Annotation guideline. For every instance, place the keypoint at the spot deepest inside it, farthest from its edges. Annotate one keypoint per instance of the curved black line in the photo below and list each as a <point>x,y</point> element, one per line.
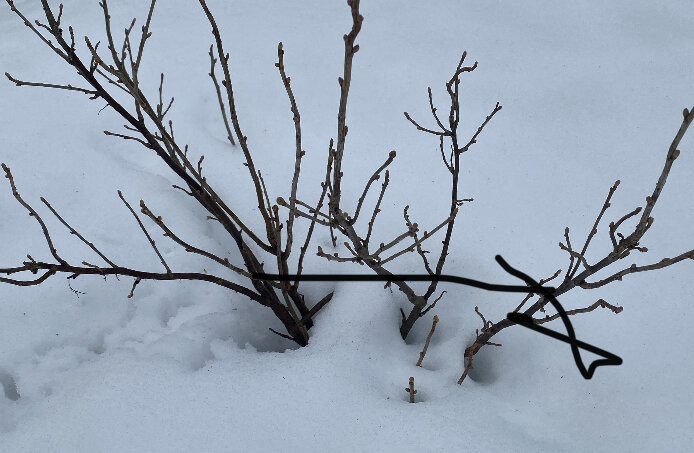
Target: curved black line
<point>527,321</point>
<point>519,318</point>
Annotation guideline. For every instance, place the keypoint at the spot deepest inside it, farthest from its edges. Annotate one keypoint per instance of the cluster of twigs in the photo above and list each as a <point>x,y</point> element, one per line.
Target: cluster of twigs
<point>147,123</point>
<point>359,244</point>
<point>580,270</point>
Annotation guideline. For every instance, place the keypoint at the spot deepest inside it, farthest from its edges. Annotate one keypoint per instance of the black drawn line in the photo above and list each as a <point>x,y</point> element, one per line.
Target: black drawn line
<point>527,321</point>
<point>519,318</point>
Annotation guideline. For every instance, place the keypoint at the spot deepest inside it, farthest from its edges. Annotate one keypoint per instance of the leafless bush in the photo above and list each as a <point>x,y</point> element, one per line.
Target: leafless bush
<point>622,246</point>
<point>147,124</point>
<point>117,70</point>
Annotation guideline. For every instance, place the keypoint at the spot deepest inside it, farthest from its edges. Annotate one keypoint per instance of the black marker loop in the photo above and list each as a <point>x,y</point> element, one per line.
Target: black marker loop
<point>527,321</point>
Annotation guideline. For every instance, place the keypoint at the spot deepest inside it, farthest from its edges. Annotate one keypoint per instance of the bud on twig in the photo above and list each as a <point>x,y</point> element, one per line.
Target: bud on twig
<point>411,390</point>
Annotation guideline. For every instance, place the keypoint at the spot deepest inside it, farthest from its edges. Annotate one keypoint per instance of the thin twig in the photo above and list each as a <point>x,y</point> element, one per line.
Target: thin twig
<point>76,233</point>
<point>20,83</point>
<point>33,214</point>
<point>144,230</point>
<point>426,342</point>
<point>376,175</point>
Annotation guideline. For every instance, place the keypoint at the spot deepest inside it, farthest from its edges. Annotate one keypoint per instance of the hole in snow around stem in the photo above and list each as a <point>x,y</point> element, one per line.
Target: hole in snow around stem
<point>9,385</point>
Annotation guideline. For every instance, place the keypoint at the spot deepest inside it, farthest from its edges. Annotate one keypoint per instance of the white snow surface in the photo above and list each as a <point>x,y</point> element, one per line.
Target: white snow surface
<point>592,92</point>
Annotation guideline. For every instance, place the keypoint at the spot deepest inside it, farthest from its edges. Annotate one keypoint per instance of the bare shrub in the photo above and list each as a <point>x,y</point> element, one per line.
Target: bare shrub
<point>116,70</point>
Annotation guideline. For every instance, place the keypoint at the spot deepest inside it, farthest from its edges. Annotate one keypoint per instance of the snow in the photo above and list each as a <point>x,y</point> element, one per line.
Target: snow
<point>591,93</point>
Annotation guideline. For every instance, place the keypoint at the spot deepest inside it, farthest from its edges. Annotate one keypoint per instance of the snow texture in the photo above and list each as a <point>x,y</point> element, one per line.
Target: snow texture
<point>592,92</point>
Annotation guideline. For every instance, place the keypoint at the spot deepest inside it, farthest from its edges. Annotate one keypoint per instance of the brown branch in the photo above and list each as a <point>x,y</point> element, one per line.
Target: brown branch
<point>345,82</point>
<point>223,59</point>
<point>75,271</point>
<point>132,290</point>
<point>424,129</point>
<point>594,230</point>
<point>33,214</point>
<point>376,175</point>
<point>468,367</point>
<point>73,231</point>
<point>299,152</point>
<point>426,342</point>
<point>26,21</point>
<point>319,205</point>
<point>412,227</point>
<point>141,48</point>
<point>672,154</point>
<point>222,108</point>
<point>433,113</point>
<point>297,212</point>
<point>425,236</point>
<point>448,165</point>
<point>161,112</point>
<point>20,83</point>
<point>316,308</point>
<point>634,268</point>
<point>599,304</point>
<point>339,259</point>
<point>144,230</point>
<point>411,389</point>
<point>473,140</point>
<point>432,305</point>
<point>485,324</point>
<point>541,282</point>
<point>128,137</point>
<point>280,334</point>
<point>311,210</point>
<point>192,249</point>
<point>377,208</point>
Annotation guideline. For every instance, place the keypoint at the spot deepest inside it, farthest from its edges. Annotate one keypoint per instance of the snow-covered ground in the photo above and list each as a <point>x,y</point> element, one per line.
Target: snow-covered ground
<point>591,93</point>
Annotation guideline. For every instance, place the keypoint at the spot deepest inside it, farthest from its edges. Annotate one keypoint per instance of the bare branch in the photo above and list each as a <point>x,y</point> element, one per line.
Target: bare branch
<point>298,212</point>
<point>144,230</point>
<point>345,82</point>
<point>377,208</point>
<point>412,227</point>
<point>594,230</point>
<point>425,236</point>
<point>129,137</point>
<point>73,231</point>
<point>46,41</point>
<point>426,342</point>
<point>541,282</point>
<point>473,140</point>
<point>339,259</point>
<point>222,108</point>
<point>634,268</point>
<point>223,59</point>
<point>319,205</point>
<point>376,175</point>
<point>299,152</point>
<point>672,154</point>
<point>424,129</point>
<point>53,269</point>
<point>433,112</point>
<point>33,214</point>
<point>20,83</point>
<point>432,305</point>
<point>599,304</point>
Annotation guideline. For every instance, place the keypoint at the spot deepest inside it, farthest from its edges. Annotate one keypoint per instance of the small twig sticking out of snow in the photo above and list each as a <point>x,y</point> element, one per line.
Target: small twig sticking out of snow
<point>411,390</point>
<point>426,343</point>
